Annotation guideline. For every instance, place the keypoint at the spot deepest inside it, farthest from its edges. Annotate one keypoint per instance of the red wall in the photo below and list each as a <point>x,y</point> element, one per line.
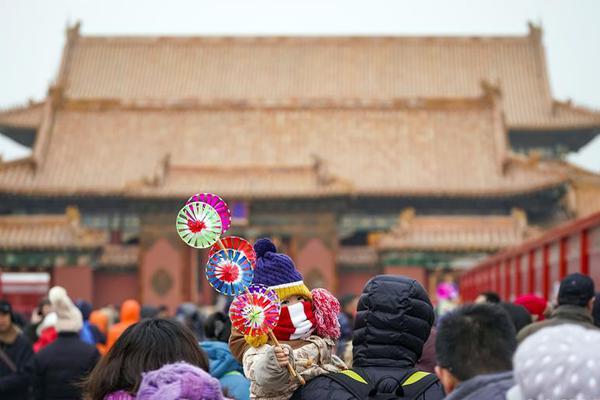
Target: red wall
<point>112,287</point>
<point>315,259</point>
<point>76,280</point>
<point>417,273</point>
<point>167,260</point>
<point>353,282</point>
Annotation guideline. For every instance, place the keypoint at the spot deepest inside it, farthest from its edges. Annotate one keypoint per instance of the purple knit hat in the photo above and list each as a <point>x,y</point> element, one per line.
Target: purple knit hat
<point>277,271</point>
<point>179,381</point>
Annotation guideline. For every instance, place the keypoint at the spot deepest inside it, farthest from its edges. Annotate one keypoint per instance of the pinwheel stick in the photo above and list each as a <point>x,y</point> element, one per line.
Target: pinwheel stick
<point>289,366</point>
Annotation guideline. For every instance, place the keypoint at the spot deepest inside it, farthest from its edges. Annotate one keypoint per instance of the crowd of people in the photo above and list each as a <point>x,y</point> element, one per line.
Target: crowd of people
<point>387,343</point>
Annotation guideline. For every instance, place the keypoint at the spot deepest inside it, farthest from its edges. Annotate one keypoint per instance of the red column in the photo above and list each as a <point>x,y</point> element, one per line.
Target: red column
<point>507,279</point>
<point>584,254</point>
<point>564,253</point>
<point>546,272</point>
<point>498,280</point>
<point>518,280</point>
<point>531,271</point>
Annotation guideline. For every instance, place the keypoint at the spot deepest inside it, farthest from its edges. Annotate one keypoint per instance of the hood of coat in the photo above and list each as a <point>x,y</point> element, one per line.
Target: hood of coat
<point>130,312</point>
<point>393,321</point>
<point>221,359</point>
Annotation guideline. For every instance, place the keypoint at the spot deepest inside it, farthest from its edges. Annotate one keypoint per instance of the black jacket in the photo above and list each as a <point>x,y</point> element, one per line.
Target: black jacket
<point>15,385</point>
<point>59,368</point>
<point>393,322</point>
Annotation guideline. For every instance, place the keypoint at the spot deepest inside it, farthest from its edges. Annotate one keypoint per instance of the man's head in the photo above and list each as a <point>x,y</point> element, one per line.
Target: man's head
<point>488,297</point>
<point>576,290</point>
<point>473,340</point>
<point>5,315</point>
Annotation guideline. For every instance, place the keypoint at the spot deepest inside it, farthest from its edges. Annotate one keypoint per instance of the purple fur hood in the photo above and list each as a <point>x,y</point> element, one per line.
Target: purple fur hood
<point>174,381</point>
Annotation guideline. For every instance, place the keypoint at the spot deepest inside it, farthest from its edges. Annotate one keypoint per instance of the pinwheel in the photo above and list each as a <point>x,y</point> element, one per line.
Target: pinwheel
<point>199,225</point>
<point>235,243</point>
<point>218,204</point>
<point>256,312</point>
<point>229,271</point>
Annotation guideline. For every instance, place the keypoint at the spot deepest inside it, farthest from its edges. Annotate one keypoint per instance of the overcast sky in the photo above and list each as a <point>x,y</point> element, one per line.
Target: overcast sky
<point>32,31</point>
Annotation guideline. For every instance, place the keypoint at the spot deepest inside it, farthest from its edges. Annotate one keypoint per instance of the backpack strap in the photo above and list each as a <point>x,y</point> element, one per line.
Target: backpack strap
<point>417,383</point>
<point>353,381</point>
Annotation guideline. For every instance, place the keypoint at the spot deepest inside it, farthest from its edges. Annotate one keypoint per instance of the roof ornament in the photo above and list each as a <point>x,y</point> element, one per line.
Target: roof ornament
<point>535,30</point>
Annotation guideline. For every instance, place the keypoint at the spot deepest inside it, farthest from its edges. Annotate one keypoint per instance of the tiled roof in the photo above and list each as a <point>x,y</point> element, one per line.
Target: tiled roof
<point>47,232</point>
<point>456,232</point>
<point>29,116</point>
<point>449,148</point>
<point>284,69</point>
<point>114,255</point>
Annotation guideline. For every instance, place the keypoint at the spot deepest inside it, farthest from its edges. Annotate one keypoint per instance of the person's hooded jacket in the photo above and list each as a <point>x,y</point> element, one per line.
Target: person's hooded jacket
<point>393,322</point>
<point>130,314</point>
<point>227,370</point>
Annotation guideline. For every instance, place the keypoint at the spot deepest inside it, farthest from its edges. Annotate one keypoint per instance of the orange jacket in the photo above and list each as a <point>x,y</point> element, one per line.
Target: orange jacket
<point>130,314</point>
<point>100,320</point>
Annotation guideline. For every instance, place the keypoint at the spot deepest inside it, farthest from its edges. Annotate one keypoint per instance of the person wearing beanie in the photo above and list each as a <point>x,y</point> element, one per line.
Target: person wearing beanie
<point>306,330</point>
<point>179,381</point>
<point>59,367</point>
<point>558,362</point>
<point>223,366</point>
<point>535,304</point>
<point>130,314</point>
<point>575,303</point>
<point>15,355</point>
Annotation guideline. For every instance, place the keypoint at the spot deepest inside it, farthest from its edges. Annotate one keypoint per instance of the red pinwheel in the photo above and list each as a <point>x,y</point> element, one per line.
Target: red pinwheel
<point>254,312</point>
<point>235,243</point>
<point>229,272</point>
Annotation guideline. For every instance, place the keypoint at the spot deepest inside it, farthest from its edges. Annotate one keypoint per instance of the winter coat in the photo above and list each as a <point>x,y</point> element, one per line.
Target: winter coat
<point>565,314</point>
<point>488,387</point>
<point>15,385</point>
<point>227,370</point>
<point>393,322</point>
<point>59,368</point>
<point>269,381</point>
<point>130,314</point>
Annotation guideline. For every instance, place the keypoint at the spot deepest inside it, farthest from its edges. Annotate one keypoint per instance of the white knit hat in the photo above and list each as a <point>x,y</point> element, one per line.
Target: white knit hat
<point>559,362</point>
<point>69,316</point>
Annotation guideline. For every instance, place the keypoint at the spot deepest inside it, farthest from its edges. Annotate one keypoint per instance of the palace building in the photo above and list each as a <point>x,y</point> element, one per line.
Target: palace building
<point>358,155</point>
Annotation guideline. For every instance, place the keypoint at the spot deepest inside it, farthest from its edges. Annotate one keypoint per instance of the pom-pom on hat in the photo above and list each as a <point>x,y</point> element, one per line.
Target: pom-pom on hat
<point>277,271</point>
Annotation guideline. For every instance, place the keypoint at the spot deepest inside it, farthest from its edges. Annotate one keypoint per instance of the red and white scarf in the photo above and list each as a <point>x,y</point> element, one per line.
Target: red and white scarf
<point>295,322</point>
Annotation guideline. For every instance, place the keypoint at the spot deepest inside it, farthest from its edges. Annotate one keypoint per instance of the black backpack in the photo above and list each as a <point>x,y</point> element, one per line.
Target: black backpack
<point>356,381</point>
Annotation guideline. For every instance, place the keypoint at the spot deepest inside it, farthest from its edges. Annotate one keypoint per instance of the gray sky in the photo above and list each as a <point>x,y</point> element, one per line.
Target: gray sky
<point>32,32</point>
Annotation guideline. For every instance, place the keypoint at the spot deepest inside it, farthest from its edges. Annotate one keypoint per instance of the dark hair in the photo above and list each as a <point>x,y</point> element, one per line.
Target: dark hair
<point>217,327</point>
<point>144,346</point>
<point>518,314</point>
<point>475,339</point>
<point>491,297</point>
<point>596,310</point>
